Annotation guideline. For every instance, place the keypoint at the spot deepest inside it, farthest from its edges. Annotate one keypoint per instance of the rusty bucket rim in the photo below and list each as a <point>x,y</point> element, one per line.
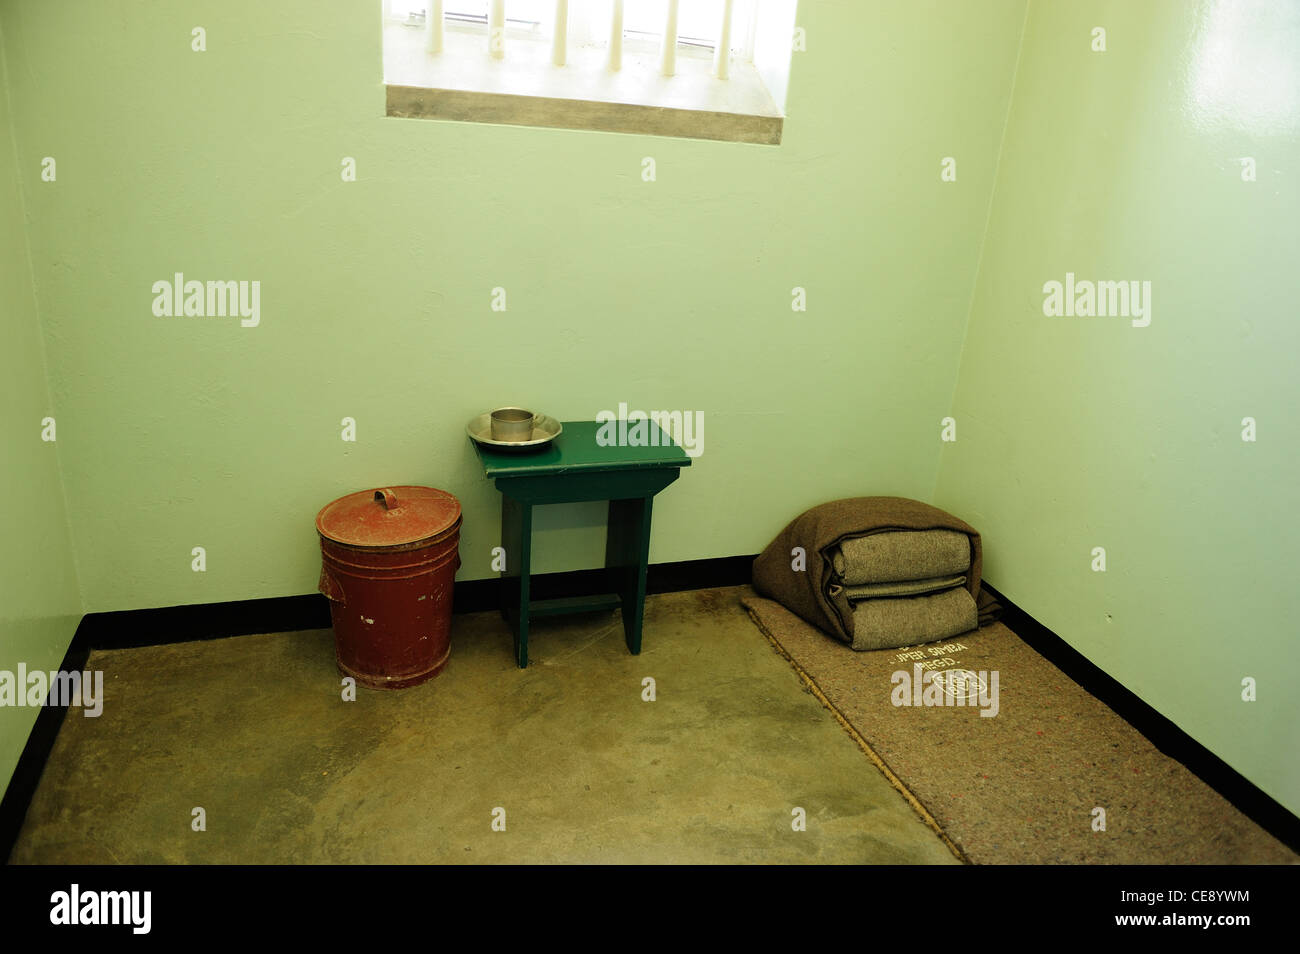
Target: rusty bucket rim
<point>425,493</point>
<point>420,544</point>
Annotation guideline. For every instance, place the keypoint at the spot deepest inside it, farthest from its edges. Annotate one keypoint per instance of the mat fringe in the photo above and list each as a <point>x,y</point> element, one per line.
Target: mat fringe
<point>863,744</point>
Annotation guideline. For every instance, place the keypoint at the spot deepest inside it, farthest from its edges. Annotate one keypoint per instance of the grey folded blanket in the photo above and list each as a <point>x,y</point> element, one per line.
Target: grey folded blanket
<point>797,568</point>
<point>907,621</point>
<point>872,591</point>
<point>900,555</point>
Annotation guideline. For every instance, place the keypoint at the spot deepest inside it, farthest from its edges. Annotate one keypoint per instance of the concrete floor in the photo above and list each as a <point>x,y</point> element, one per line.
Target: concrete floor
<point>254,731</point>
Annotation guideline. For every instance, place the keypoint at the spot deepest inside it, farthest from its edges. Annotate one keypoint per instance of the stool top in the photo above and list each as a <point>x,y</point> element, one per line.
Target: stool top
<point>578,448</point>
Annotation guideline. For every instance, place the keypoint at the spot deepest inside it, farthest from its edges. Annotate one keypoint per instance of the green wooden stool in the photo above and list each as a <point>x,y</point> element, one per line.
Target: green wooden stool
<point>571,469</point>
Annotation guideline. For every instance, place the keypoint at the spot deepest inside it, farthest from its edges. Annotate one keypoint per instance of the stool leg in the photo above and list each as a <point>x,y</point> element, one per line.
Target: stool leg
<point>627,554</point>
<point>516,540</point>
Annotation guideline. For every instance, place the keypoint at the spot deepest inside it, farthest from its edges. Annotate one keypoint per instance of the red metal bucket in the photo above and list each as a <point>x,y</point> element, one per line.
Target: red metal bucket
<point>388,563</point>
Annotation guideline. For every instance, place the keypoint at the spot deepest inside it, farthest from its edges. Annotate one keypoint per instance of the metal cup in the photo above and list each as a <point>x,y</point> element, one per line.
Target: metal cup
<point>512,424</point>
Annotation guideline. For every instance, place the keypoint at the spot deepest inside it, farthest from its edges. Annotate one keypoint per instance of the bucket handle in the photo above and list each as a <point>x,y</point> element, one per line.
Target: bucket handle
<point>388,497</point>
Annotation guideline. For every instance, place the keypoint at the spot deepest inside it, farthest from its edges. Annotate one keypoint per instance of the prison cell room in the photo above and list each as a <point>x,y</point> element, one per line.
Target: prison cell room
<point>643,432</point>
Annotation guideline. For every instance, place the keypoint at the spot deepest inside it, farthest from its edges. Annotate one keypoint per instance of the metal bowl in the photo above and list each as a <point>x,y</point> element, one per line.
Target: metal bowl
<point>545,430</point>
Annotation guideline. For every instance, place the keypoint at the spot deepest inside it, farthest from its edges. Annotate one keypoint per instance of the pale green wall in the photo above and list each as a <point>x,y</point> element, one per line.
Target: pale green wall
<point>39,604</point>
<point>1075,433</point>
<point>375,294</point>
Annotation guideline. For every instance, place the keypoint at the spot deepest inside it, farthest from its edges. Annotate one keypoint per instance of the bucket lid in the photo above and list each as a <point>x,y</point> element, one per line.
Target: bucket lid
<point>388,517</point>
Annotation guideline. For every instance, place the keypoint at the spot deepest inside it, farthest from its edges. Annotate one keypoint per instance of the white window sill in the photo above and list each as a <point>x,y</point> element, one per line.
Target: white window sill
<point>464,83</point>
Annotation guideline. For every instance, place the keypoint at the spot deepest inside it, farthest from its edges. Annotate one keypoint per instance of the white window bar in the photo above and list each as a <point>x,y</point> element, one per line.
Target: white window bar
<point>560,42</point>
<point>435,27</point>
<point>722,57</point>
<point>669,61</point>
<point>616,37</point>
<point>497,29</point>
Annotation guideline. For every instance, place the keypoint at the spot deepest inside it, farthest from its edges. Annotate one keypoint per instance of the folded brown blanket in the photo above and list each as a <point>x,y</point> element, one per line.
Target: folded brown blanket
<point>897,555</point>
<point>885,623</point>
<point>990,609</point>
<point>874,591</point>
<point>819,532</point>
